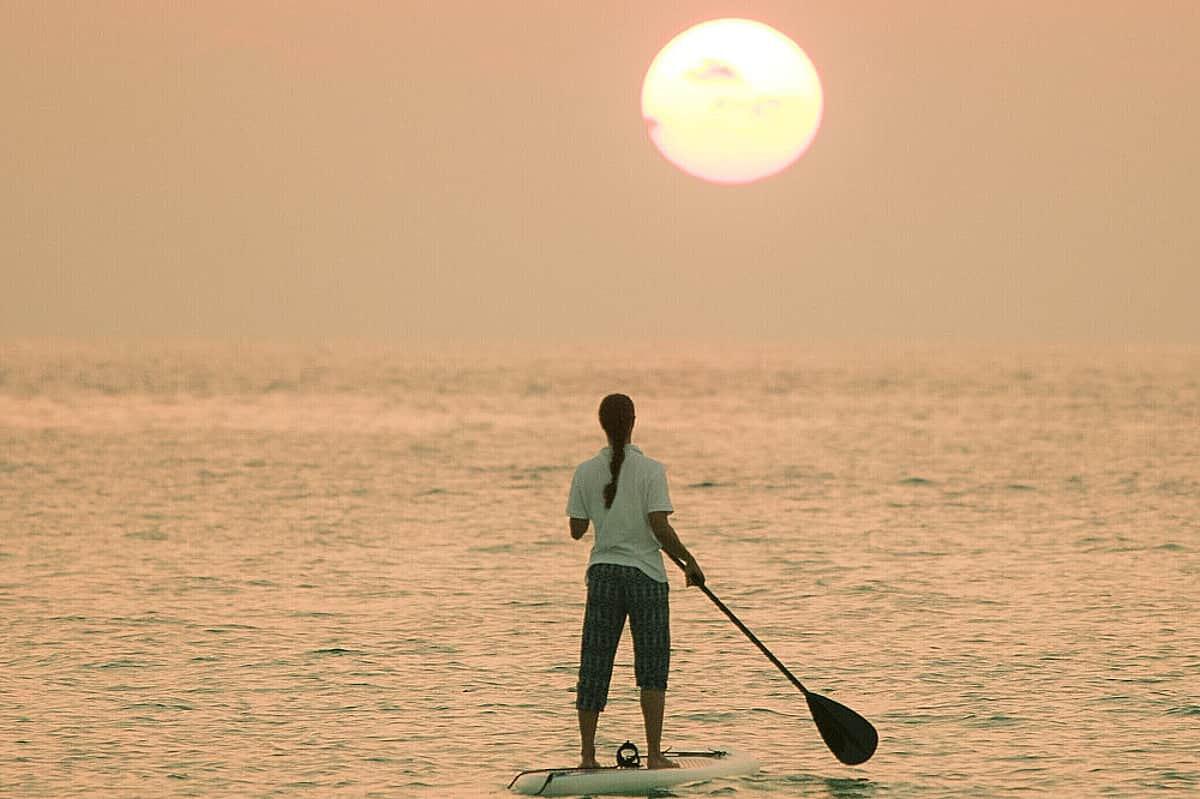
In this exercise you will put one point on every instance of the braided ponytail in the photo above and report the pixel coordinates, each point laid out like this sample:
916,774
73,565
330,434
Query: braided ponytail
616,417
614,468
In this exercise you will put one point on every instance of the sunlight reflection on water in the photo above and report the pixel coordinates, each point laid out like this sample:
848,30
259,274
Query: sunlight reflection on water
245,570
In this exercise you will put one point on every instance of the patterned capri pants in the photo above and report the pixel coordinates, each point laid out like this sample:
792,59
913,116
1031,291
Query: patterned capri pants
615,592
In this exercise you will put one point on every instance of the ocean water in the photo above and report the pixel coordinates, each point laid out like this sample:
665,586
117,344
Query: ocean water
343,569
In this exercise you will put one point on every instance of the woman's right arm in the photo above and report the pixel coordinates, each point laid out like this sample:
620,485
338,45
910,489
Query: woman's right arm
669,541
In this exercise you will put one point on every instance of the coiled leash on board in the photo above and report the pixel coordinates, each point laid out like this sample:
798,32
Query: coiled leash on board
627,755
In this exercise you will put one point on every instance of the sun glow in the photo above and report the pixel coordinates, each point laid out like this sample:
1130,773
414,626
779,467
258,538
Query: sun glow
732,101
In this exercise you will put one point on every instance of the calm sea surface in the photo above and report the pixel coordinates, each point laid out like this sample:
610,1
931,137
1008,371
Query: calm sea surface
247,569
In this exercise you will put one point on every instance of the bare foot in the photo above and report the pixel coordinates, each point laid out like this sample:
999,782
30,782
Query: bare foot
659,761
588,762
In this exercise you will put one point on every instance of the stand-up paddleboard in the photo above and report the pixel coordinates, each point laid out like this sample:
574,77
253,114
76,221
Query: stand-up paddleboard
633,778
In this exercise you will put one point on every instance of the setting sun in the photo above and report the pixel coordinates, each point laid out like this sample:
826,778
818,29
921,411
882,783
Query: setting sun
732,101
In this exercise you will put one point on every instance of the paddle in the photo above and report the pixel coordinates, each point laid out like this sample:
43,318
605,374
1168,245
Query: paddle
848,735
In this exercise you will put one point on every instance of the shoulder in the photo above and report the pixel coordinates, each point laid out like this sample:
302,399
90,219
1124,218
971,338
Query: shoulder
644,458
590,465
657,466
651,467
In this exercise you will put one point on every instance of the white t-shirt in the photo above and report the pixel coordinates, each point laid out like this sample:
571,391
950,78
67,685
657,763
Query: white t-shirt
622,533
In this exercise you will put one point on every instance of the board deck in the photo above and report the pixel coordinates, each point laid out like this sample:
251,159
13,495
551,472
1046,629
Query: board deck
694,765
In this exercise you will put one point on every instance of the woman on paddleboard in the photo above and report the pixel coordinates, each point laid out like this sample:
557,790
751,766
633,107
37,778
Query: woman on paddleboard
625,494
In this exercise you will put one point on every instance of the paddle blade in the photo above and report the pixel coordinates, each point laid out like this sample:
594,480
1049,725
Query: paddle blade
848,735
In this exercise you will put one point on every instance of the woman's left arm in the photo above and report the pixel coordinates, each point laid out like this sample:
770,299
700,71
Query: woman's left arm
578,528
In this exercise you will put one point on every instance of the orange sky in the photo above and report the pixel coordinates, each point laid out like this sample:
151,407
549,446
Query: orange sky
1011,170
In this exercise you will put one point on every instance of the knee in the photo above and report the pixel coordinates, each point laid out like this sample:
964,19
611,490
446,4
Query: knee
591,697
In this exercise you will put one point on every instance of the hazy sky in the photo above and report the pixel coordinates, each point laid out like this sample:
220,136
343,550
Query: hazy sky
1025,169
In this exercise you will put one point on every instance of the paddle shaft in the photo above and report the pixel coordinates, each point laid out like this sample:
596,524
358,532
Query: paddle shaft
746,631
850,737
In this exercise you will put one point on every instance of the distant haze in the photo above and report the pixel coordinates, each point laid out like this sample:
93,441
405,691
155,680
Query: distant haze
985,170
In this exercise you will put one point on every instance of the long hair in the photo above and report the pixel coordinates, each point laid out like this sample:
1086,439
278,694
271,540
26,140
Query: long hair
616,417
